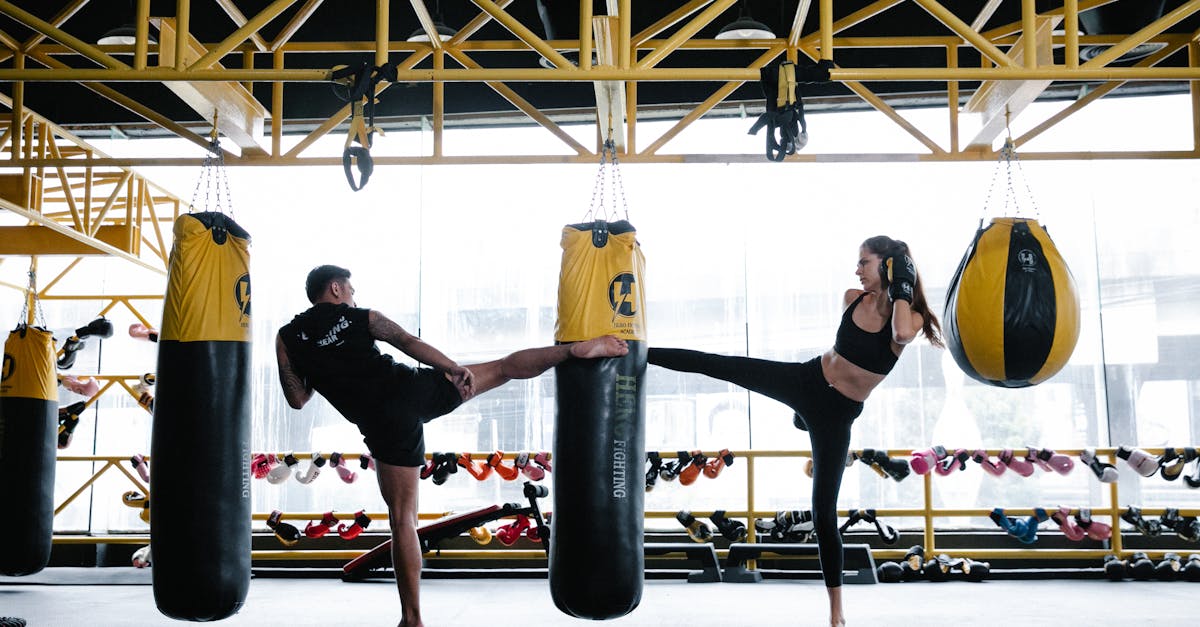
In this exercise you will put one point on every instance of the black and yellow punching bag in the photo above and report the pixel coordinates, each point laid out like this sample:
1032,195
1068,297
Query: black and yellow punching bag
1012,312
28,434
200,444
596,554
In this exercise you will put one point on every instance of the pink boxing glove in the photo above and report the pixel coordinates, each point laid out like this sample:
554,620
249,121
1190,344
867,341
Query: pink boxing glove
1054,461
88,386
523,464
993,467
139,464
140,331
338,463
1019,466
924,461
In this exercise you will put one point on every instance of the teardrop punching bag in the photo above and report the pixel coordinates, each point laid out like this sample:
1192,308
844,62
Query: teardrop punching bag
200,444
1012,312
28,433
596,554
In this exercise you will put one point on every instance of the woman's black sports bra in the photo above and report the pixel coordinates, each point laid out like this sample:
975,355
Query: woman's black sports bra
869,351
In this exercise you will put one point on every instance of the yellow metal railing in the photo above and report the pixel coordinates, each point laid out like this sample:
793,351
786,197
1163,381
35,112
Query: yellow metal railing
749,512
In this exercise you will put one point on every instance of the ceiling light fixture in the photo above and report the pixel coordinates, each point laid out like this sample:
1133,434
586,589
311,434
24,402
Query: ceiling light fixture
745,27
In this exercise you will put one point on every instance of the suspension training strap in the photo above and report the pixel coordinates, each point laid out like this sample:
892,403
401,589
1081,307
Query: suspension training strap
362,80
787,131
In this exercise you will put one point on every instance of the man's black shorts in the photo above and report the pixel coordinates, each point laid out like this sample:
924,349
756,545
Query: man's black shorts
396,434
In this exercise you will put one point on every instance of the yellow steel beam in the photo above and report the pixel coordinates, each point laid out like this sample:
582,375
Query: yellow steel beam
239,19
141,34
238,36
32,21
128,103
705,18
798,23
228,105
755,157
109,249
294,24
63,15
413,59
667,21
962,29
1095,94
1157,26
524,34
1011,28
522,104
719,96
998,102
426,21
616,74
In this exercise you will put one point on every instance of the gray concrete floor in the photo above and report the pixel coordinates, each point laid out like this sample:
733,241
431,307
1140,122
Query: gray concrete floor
82,596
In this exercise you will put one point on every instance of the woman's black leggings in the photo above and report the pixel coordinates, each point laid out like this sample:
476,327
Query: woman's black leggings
827,414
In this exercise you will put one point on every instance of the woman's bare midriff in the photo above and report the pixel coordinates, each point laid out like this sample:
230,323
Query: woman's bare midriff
852,381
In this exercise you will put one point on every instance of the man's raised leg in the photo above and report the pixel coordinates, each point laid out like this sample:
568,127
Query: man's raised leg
399,485
531,362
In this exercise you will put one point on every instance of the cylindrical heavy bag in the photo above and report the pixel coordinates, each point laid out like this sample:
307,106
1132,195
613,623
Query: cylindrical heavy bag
200,445
28,432
596,554
1012,312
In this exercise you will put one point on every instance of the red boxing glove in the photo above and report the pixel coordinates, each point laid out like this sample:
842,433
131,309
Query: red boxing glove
543,459
361,521
508,534
261,465
328,520
718,463
496,461
479,470
688,475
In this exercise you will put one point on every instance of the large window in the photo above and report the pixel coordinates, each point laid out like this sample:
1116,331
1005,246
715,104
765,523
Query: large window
741,259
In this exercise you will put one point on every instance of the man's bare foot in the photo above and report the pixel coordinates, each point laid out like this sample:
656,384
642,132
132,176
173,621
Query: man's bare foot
603,346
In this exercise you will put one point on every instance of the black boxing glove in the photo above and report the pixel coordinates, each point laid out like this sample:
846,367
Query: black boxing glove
901,275
286,533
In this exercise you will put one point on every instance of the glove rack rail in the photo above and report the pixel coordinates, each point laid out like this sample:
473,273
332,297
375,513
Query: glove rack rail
1112,510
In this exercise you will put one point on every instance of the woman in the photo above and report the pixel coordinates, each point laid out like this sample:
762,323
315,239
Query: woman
827,392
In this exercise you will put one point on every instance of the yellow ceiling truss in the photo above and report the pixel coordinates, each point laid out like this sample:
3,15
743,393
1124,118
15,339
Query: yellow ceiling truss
1016,69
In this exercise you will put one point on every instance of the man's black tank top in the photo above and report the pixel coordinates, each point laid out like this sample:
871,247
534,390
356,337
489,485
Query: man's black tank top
869,351
331,347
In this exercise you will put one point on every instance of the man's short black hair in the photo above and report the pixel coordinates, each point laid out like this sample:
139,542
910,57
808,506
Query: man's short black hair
320,277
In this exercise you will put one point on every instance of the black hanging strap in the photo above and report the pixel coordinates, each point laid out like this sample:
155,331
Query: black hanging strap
361,80
787,132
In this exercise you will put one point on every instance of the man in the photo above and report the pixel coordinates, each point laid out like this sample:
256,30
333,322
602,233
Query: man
330,348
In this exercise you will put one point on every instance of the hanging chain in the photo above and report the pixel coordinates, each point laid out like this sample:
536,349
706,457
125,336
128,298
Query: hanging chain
213,174
1037,212
616,171
1008,155
39,315
597,207
610,177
